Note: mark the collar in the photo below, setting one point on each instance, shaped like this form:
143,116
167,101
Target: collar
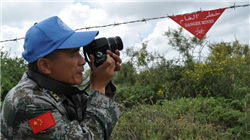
57,89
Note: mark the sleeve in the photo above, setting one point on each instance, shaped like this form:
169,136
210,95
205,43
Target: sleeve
104,111
99,120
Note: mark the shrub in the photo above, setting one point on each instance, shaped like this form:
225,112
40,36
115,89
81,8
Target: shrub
134,95
12,70
184,118
225,73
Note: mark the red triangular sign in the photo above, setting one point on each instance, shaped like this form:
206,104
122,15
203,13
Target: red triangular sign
198,23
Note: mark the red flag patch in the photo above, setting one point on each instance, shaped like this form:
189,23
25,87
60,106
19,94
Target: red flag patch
198,23
42,122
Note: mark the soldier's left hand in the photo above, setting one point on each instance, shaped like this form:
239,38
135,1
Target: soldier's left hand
116,57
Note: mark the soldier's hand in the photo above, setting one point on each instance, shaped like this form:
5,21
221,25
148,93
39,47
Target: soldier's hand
117,59
100,76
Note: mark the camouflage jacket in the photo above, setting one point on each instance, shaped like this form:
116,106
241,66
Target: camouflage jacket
27,101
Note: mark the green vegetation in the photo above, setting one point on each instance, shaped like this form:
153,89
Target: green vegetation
12,70
185,118
186,98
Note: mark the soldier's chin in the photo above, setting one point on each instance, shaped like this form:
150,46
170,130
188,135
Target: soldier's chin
79,80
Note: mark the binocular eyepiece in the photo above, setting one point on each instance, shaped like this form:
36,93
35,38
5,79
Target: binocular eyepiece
99,47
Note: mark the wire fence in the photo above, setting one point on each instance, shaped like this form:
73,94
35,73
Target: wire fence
132,21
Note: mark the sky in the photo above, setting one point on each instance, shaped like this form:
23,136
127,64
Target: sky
17,16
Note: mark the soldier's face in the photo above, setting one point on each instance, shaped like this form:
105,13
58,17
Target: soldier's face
68,66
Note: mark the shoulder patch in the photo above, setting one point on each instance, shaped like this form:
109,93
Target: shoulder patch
42,122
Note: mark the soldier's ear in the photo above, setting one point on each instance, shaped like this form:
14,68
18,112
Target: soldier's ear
43,65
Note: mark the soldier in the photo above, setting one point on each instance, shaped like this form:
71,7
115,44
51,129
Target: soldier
45,104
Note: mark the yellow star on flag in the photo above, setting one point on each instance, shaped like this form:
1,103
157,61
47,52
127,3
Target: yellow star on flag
35,122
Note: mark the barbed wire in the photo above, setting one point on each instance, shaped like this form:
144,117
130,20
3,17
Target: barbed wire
133,21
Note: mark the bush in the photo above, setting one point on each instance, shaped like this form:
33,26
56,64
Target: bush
185,118
129,96
225,73
12,70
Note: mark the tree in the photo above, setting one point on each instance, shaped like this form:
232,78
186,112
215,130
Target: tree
12,70
184,45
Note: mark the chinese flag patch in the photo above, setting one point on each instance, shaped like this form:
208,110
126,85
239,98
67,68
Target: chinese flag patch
42,122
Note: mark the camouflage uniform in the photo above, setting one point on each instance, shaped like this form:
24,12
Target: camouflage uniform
26,101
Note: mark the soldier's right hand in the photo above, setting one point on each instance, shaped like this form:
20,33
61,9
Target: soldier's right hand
100,76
